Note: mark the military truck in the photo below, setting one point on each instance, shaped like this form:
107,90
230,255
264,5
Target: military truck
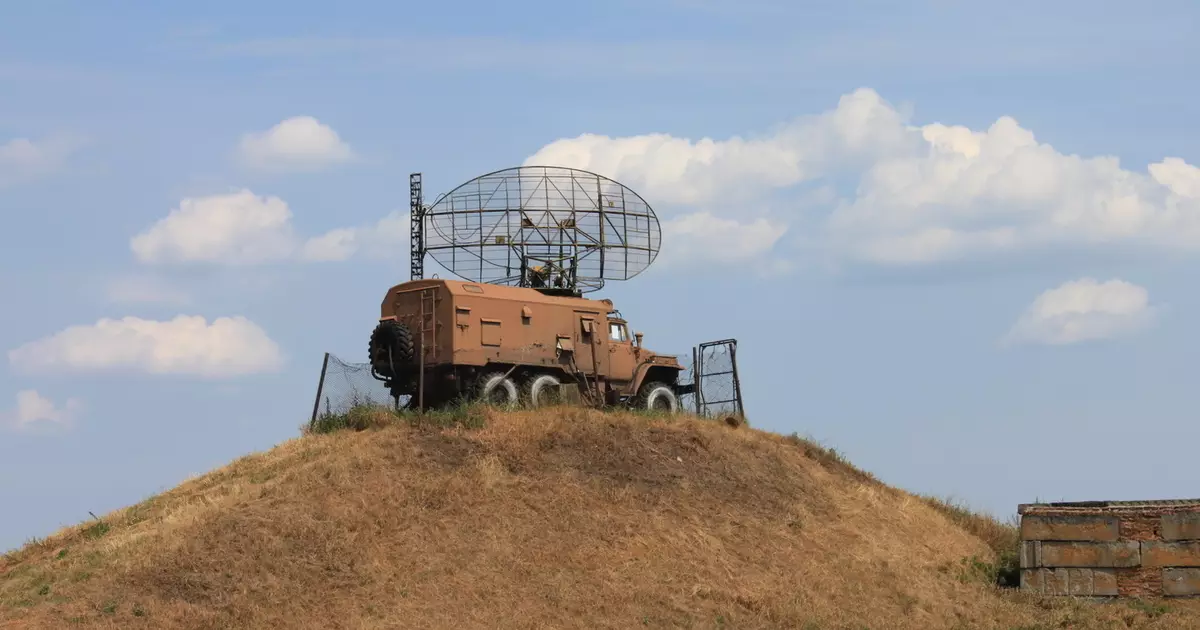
439,340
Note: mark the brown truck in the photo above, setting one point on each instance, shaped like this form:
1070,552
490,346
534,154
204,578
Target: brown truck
450,340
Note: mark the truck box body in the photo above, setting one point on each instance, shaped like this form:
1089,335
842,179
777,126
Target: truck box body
475,325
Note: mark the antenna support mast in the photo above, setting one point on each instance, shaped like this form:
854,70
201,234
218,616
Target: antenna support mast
417,220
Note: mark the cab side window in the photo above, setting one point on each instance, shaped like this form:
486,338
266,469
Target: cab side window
616,332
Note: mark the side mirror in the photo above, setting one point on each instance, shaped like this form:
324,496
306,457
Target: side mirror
637,337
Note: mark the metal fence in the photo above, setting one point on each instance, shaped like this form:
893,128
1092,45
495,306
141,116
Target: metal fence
712,369
344,386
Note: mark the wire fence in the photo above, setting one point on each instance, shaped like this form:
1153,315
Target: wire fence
711,368
344,386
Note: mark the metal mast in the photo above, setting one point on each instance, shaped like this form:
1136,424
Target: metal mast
417,219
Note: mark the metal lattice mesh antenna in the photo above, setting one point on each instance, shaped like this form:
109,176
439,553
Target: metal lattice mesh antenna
577,228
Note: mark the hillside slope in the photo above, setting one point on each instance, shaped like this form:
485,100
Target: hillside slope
569,519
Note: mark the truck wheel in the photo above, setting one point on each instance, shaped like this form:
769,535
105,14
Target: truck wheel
656,396
497,389
393,336
543,390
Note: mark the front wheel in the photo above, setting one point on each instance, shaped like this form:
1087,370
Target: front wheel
655,396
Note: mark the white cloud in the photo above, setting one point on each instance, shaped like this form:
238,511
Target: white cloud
387,238
670,170
243,228
22,159
866,185
908,194
300,143
698,237
1084,310
34,411
189,345
1001,190
236,228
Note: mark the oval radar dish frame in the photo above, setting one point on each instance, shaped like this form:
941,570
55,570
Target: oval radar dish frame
548,227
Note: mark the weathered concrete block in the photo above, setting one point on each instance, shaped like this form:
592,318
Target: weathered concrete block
1031,554
1031,580
1079,582
1072,582
1092,528
1178,582
1104,582
1170,554
1181,526
1056,582
1090,555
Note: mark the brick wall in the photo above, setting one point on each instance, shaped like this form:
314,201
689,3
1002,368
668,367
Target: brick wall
1111,548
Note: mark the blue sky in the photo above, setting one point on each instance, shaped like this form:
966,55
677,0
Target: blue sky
882,274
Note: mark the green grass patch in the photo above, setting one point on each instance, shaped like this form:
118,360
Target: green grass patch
1151,609
363,417
1004,539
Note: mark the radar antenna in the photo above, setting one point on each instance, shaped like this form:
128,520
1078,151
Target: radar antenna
559,230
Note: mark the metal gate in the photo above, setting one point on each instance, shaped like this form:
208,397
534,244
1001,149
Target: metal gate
717,388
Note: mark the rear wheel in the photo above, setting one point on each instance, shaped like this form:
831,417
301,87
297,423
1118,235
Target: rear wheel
656,396
544,390
496,388
391,348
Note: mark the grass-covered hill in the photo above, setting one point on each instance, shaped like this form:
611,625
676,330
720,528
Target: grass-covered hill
554,519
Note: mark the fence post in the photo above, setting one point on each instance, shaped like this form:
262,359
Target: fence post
696,378
320,388
737,382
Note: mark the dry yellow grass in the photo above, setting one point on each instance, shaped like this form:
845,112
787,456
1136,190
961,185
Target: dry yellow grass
569,519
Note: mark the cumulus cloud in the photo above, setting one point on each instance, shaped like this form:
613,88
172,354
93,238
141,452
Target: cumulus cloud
701,236
34,411
22,159
907,194
386,239
671,170
300,143
235,228
855,184
243,228
1084,310
186,345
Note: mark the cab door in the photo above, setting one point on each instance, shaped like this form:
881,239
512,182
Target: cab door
621,357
